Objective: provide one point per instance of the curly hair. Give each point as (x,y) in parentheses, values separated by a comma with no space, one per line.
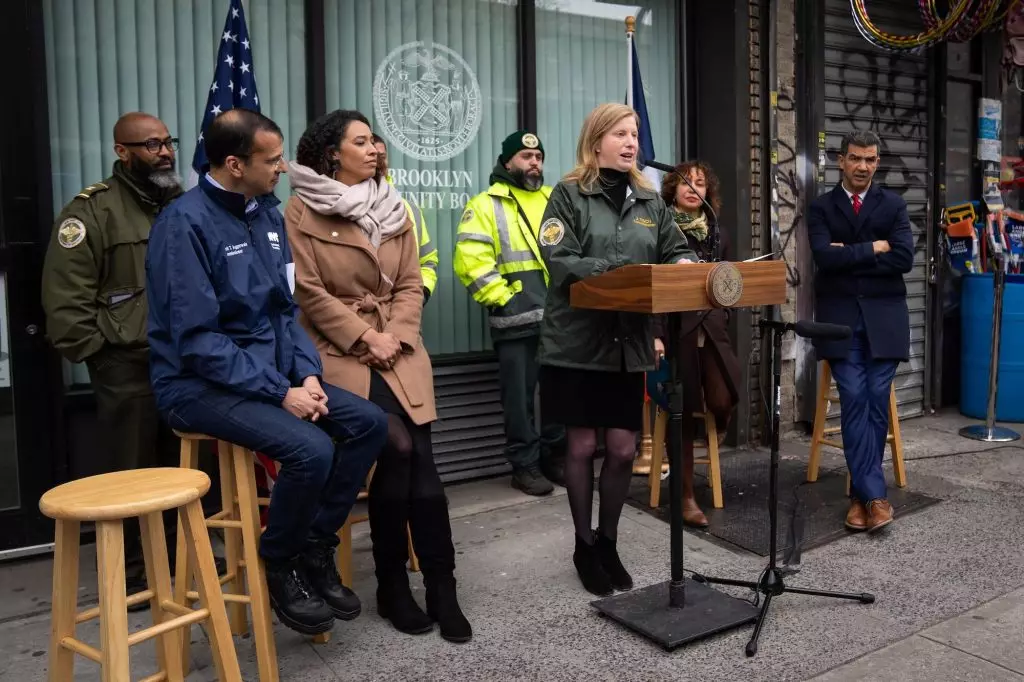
(324,135)
(671,183)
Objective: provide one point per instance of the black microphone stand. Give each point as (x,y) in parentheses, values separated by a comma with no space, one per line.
(771,583)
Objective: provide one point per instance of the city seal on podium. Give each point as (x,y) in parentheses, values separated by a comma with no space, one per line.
(427,101)
(724,285)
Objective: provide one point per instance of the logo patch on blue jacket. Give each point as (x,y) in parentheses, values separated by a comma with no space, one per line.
(275,241)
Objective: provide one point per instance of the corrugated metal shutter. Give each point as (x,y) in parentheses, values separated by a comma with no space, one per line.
(469,434)
(870,89)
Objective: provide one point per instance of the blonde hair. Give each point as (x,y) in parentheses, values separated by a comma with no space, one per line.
(597,124)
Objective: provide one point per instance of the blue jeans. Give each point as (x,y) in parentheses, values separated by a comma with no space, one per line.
(323,464)
(863,385)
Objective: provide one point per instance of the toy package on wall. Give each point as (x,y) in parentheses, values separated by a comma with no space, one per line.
(961,224)
(1013,225)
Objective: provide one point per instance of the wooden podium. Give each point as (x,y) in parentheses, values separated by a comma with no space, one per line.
(679,611)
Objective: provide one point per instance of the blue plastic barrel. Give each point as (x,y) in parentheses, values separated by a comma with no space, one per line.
(976,342)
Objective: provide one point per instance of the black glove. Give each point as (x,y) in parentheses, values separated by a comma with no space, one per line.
(426,295)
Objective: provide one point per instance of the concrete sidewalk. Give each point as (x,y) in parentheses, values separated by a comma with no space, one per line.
(947,579)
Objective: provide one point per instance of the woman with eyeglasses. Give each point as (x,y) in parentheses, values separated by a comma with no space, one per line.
(358,285)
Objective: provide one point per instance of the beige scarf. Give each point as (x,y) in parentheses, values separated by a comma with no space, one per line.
(372,205)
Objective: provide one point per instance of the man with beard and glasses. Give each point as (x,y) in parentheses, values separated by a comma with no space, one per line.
(94,295)
(428,252)
(498,258)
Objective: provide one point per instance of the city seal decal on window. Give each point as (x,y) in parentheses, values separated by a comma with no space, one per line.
(551,232)
(427,101)
(71,233)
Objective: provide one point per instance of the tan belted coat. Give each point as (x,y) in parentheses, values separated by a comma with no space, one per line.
(341,292)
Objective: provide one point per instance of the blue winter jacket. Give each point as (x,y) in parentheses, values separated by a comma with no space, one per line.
(221,313)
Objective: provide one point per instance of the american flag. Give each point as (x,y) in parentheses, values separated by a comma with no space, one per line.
(234,83)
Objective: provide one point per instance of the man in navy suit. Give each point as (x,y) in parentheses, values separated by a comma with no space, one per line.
(862,244)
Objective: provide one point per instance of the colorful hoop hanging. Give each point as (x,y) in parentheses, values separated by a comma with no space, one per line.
(964,20)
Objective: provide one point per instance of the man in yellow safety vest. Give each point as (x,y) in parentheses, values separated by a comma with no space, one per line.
(498,259)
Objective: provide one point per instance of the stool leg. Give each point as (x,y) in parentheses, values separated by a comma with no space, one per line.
(158,575)
(232,539)
(714,471)
(414,562)
(657,455)
(255,573)
(818,435)
(899,472)
(343,556)
(210,594)
(113,601)
(182,565)
(65,599)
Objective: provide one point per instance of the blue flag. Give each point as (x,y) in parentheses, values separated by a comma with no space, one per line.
(234,83)
(640,106)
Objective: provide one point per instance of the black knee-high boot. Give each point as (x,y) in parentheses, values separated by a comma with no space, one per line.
(432,540)
(395,602)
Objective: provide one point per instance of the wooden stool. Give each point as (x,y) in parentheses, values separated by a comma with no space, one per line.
(657,456)
(239,518)
(820,435)
(642,465)
(107,500)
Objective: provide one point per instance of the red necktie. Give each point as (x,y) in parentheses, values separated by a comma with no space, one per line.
(856,203)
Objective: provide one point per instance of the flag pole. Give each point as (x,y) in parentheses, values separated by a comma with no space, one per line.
(630,30)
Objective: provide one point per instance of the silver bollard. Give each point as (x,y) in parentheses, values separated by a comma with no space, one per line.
(989,432)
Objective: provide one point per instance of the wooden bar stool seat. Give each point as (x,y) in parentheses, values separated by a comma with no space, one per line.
(107,500)
(821,436)
(244,582)
(658,455)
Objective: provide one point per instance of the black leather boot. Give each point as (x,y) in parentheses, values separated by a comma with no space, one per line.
(588,566)
(294,601)
(609,556)
(322,572)
(390,555)
(432,537)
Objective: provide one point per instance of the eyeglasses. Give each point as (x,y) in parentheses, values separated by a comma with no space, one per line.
(153,145)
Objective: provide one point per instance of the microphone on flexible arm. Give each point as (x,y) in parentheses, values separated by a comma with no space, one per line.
(714,216)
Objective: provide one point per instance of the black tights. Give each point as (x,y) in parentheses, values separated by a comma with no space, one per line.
(405,468)
(616,474)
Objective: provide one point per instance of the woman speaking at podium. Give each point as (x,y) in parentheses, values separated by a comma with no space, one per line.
(602,215)
(712,375)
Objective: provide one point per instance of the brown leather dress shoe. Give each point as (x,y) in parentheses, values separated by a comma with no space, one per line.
(857,517)
(880,514)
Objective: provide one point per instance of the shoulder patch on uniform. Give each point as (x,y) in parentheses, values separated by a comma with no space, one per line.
(467,215)
(551,232)
(71,233)
(92,189)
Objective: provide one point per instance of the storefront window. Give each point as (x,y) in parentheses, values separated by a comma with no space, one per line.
(106,59)
(437,79)
(581,62)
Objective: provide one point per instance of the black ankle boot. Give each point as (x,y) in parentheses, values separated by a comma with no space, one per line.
(443,607)
(294,601)
(322,573)
(396,604)
(589,568)
(609,556)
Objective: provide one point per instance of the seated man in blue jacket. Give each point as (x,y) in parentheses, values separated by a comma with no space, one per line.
(862,244)
(230,360)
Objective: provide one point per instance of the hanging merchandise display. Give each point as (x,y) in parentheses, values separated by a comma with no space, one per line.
(964,20)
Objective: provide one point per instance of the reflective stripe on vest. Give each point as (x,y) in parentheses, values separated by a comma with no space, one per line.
(480,282)
(417,222)
(508,254)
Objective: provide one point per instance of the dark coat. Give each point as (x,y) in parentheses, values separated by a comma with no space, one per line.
(717,343)
(853,281)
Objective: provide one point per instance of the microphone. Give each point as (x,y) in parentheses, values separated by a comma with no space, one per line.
(821,330)
(714,216)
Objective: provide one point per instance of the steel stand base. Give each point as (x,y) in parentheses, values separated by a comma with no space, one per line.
(994,434)
(705,612)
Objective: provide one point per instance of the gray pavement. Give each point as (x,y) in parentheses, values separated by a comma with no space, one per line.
(948,581)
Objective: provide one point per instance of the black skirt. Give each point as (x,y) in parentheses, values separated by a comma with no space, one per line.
(591,399)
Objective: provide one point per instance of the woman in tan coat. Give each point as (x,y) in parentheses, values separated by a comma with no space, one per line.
(358,285)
